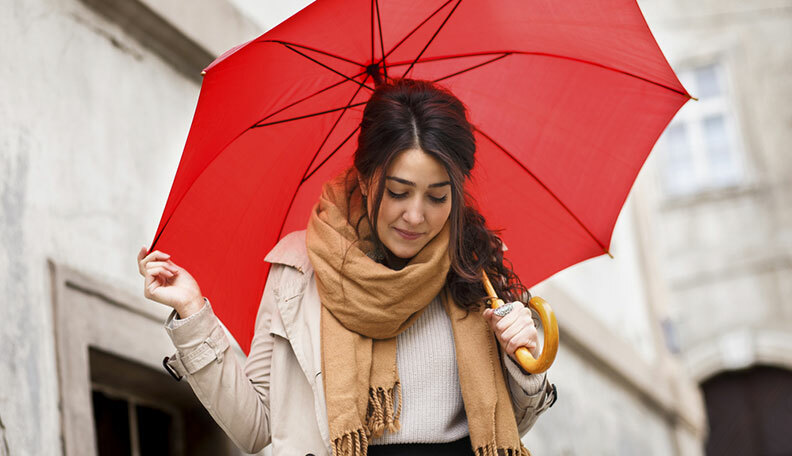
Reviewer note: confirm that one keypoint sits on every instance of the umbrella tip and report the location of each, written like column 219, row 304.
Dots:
column 693, row 98
column 203, row 73
column 609, row 254
column 373, row 70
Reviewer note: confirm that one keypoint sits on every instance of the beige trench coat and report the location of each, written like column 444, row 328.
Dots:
column 277, row 396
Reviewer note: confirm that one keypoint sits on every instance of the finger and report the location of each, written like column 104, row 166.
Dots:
column 164, row 264
column 525, row 338
column 174, row 265
column 156, row 271
column 141, row 254
column 155, row 255
column 151, row 289
column 504, row 322
column 510, row 331
column 521, row 320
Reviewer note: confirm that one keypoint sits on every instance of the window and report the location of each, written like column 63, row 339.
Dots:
column 138, row 411
column 700, row 149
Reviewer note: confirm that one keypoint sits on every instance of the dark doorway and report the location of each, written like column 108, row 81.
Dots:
column 750, row 412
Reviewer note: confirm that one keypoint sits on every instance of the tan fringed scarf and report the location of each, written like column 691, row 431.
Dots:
column 365, row 305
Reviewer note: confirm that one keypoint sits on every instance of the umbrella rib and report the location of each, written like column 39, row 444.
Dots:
column 382, row 43
column 372, row 30
column 547, row 189
column 307, row 97
column 452, row 57
column 319, row 149
column 543, row 54
column 318, row 51
column 415, row 29
column 328, row 67
column 471, row 68
column 314, row 114
column 329, row 156
column 432, row 38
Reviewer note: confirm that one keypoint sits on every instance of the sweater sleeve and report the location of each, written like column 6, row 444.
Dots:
column 235, row 393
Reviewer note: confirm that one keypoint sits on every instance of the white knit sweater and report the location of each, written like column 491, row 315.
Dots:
column 432, row 407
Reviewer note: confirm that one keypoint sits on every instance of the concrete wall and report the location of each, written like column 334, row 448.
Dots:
column 95, row 106
column 93, row 123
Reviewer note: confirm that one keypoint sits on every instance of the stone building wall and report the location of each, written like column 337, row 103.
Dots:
column 723, row 234
column 726, row 252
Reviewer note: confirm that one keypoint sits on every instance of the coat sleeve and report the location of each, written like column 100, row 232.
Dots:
column 235, row 394
column 531, row 394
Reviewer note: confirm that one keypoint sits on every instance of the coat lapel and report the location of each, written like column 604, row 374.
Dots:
column 299, row 312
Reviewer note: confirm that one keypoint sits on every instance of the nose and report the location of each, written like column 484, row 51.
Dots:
column 414, row 214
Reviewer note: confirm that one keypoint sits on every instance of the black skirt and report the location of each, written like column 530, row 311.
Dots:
column 461, row 447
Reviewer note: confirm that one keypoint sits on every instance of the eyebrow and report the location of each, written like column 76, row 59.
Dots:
column 412, row 184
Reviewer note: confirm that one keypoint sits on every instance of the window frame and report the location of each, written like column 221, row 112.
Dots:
column 692, row 116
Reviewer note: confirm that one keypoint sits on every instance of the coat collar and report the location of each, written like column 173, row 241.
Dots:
column 291, row 251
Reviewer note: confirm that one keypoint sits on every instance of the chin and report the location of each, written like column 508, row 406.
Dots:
column 403, row 252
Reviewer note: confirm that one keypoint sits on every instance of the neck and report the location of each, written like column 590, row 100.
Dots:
column 394, row 262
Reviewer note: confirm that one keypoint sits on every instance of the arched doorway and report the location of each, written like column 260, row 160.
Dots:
column 750, row 412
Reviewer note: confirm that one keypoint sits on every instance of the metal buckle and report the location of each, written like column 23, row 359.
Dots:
column 170, row 369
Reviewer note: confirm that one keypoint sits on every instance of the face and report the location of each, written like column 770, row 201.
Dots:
column 415, row 204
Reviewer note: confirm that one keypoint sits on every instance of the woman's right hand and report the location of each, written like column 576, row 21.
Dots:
column 168, row 283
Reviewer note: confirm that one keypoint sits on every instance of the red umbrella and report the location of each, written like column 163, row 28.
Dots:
column 567, row 99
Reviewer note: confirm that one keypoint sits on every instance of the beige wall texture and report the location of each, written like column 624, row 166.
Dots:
column 95, row 104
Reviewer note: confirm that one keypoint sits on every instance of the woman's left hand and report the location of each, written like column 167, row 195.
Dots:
column 515, row 329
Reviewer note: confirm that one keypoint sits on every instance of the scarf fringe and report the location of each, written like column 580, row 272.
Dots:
column 380, row 414
column 491, row 450
column 351, row 443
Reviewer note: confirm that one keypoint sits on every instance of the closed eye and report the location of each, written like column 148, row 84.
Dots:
column 438, row 200
column 395, row 195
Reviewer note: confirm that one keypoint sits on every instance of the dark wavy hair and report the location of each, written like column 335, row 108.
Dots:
column 404, row 114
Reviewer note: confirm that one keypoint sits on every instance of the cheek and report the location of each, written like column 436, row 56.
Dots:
column 382, row 216
column 438, row 217
column 388, row 213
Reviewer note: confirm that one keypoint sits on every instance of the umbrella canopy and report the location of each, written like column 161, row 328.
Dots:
column 567, row 99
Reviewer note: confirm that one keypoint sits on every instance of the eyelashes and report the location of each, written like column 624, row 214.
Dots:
column 433, row 199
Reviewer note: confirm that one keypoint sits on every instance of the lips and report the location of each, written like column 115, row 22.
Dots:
column 408, row 235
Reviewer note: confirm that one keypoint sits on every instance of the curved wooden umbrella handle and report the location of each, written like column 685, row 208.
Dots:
column 549, row 323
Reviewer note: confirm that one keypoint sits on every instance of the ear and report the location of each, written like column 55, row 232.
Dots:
column 363, row 185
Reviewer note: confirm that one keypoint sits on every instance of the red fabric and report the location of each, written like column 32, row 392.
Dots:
column 566, row 117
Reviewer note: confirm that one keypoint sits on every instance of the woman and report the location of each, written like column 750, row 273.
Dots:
column 370, row 336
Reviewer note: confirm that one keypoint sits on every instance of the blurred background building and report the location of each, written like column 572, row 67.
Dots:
column 681, row 345
column 720, row 218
